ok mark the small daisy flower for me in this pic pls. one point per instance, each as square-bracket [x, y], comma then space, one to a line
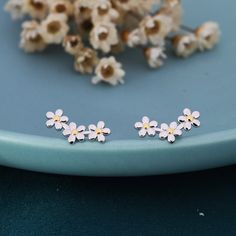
[15, 8]
[189, 119]
[208, 35]
[103, 12]
[54, 28]
[184, 45]
[72, 44]
[110, 71]
[170, 132]
[134, 38]
[62, 7]
[146, 127]
[74, 132]
[156, 28]
[86, 60]
[31, 38]
[155, 56]
[37, 9]
[98, 132]
[103, 36]
[56, 119]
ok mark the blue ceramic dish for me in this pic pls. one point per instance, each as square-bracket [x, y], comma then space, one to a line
[31, 85]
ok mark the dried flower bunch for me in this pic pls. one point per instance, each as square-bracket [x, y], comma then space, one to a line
[108, 26]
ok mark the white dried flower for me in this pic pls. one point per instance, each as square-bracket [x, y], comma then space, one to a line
[208, 35]
[155, 56]
[170, 132]
[31, 38]
[72, 44]
[62, 7]
[86, 60]
[83, 9]
[185, 45]
[146, 127]
[189, 119]
[156, 28]
[54, 28]
[103, 36]
[74, 132]
[103, 12]
[15, 8]
[110, 71]
[36, 8]
[134, 38]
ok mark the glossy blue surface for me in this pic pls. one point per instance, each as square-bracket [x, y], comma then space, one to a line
[33, 84]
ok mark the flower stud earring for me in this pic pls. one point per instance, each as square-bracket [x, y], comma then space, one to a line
[56, 119]
[170, 132]
[74, 133]
[146, 127]
[98, 132]
[189, 119]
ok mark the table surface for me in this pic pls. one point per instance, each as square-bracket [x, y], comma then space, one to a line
[200, 203]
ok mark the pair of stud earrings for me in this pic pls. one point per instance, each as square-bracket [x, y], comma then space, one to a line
[75, 133]
[170, 132]
[146, 127]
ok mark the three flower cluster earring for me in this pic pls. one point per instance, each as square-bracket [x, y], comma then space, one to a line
[76, 133]
[169, 132]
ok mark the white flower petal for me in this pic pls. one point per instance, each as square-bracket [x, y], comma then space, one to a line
[101, 138]
[59, 112]
[196, 114]
[151, 132]
[50, 123]
[182, 119]
[49, 115]
[58, 125]
[164, 126]
[73, 126]
[178, 132]
[173, 125]
[80, 136]
[64, 119]
[145, 120]
[187, 112]
[187, 126]
[106, 131]
[138, 125]
[92, 127]
[153, 123]
[142, 132]
[196, 123]
[171, 138]
[66, 132]
[101, 125]
[92, 135]
[81, 128]
[163, 134]
[71, 139]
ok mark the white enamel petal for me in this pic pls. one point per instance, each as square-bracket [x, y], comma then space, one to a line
[71, 139]
[163, 134]
[173, 125]
[187, 126]
[92, 136]
[138, 125]
[49, 115]
[106, 131]
[145, 120]
[196, 123]
[59, 112]
[80, 136]
[64, 119]
[66, 132]
[178, 132]
[196, 114]
[164, 126]
[142, 132]
[50, 123]
[73, 126]
[187, 112]
[101, 138]
[92, 127]
[153, 123]
[182, 119]
[81, 128]
[171, 138]
[58, 125]
[151, 132]
[101, 124]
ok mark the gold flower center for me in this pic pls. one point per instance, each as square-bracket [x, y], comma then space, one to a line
[98, 131]
[56, 118]
[190, 118]
[170, 130]
[154, 29]
[107, 71]
[146, 126]
[74, 132]
[53, 27]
